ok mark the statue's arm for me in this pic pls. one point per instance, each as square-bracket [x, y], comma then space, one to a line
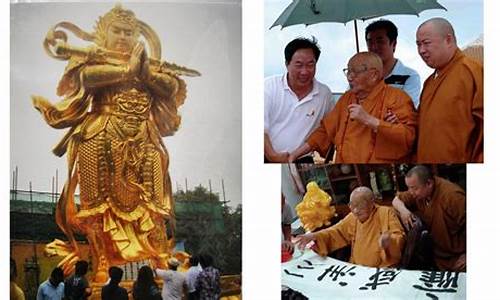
[162, 84]
[97, 76]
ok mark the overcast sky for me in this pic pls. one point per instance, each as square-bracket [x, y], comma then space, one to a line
[207, 38]
[337, 40]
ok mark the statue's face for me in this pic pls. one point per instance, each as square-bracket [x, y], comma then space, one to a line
[120, 37]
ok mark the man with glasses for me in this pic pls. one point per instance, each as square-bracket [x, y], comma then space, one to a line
[294, 103]
[381, 38]
[361, 124]
[440, 205]
[451, 106]
[374, 233]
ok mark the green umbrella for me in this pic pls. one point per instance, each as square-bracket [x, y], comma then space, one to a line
[309, 12]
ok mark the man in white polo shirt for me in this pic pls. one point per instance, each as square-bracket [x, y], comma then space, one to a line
[381, 38]
[294, 103]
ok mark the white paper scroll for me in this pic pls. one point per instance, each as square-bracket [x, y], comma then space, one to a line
[327, 278]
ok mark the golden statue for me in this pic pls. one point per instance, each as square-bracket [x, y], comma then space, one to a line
[314, 210]
[118, 103]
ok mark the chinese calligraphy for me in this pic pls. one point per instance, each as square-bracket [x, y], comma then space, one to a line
[438, 281]
[380, 277]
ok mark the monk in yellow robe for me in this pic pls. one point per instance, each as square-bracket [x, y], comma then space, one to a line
[440, 205]
[374, 233]
[371, 123]
[451, 103]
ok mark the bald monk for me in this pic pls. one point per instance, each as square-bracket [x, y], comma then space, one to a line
[374, 233]
[451, 103]
[440, 204]
[360, 124]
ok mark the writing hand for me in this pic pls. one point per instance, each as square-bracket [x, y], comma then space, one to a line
[304, 239]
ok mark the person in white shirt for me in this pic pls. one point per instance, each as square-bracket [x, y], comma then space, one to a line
[191, 276]
[173, 281]
[381, 38]
[294, 103]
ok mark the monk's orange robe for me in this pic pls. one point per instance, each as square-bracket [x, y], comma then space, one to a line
[451, 114]
[444, 216]
[364, 238]
[358, 143]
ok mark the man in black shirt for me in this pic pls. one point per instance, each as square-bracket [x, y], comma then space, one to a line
[76, 287]
[112, 291]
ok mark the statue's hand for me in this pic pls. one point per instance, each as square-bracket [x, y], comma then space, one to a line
[135, 62]
[145, 73]
[97, 54]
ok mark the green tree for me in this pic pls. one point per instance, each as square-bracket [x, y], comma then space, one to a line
[207, 226]
[232, 246]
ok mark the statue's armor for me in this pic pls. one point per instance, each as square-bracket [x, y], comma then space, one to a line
[120, 167]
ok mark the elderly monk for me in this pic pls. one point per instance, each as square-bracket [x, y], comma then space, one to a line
[440, 204]
[374, 233]
[451, 103]
[361, 124]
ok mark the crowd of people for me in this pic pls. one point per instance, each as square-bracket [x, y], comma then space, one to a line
[383, 117]
[426, 224]
[201, 281]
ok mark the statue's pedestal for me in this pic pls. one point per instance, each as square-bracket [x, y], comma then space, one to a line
[96, 291]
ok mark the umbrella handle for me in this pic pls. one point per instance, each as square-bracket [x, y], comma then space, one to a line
[356, 33]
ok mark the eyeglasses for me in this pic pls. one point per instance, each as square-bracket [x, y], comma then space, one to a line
[358, 207]
[356, 70]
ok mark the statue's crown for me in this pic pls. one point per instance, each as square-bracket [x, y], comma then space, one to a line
[117, 14]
